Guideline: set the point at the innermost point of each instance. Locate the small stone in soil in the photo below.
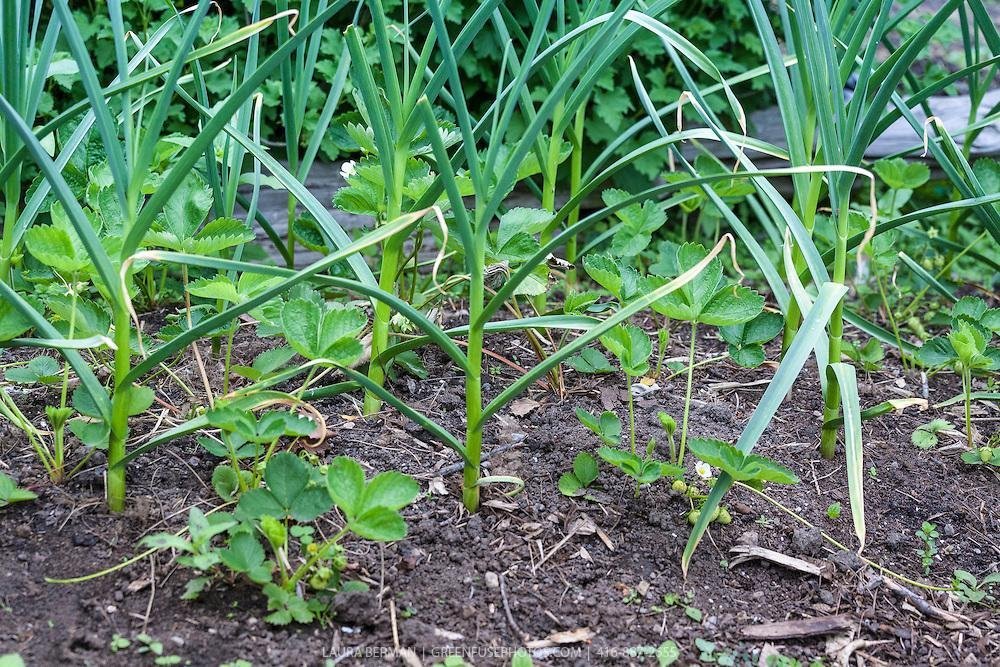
(846, 561)
(356, 608)
(492, 580)
(896, 540)
(474, 525)
(807, 540)
(84, 540)
(411, 558)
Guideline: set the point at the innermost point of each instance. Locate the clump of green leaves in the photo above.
(644, 469)
(10, 492)
(584, 473)
(708, 299)
(928, 535)
(869, 356)
(974, 591)
(708, 652)
(149, 645)
(746, 340)
(119, 643)
(925, 436)
(984, 455)
(42, 370)
(751, 469)
(248, 436)
(966, 348)
(269, 539)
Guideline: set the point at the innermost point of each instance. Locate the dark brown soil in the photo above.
(517, 572)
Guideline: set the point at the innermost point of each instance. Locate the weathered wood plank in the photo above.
(952, 110)
(805, 627)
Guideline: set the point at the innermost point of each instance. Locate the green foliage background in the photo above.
(722, 29)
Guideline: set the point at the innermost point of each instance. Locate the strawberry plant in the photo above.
(270, 539)
(747, 468)
(966, 348)
(246, 436)
(745, 340)
(984, 455)
(583, 474)
(925, 436)
(10, 492)
(644, 468)
(707, 299)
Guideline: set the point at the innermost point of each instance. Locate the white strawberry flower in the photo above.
(703, 469)
(348, 169)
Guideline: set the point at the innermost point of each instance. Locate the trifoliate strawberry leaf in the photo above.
(925, 436)
(746, 340)
(607, 427)
(638, 222)
(631, 346)
(741, 467)
(318, 332)
(39, 370)
(290, 491)
(899, 174)
(706, 299)
(590, 360)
